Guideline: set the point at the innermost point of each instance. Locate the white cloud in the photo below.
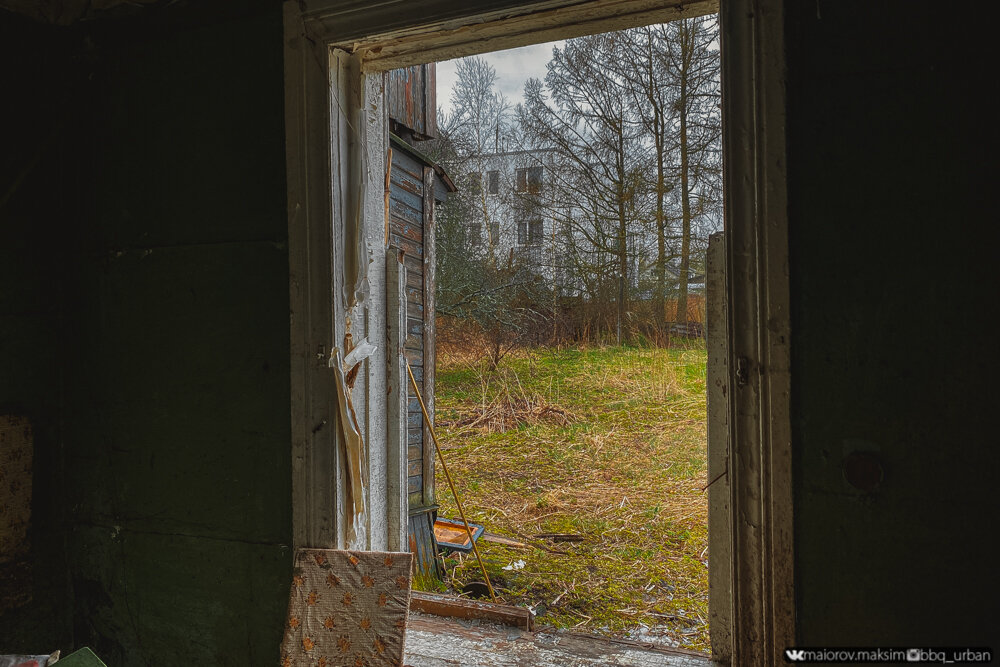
(513, 66)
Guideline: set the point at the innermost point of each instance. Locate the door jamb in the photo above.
(758, 321)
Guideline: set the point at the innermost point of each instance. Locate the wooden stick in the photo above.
(500, 539)
(388, 182)
(560, 537)
(444, 466)
(447, 605)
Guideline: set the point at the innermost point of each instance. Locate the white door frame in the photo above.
(760, 473)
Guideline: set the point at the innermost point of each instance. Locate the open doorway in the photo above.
(569, 287)
(336, 58)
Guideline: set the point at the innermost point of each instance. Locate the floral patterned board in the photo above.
(16, 449)
(16, 446)
(347, 608)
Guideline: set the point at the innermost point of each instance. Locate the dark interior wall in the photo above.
(147, 278)
(143, 328)
(892, 300)
(35, 94)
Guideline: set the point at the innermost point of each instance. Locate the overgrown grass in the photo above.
(608, 443)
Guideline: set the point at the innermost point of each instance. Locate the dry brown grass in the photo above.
(608, 444)
(505, 404)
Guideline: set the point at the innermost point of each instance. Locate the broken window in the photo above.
(534, 232)
(529, 232)
(476, 183)
(529, 179)
(474, 234)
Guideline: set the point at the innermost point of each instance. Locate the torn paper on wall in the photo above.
(353, 444)
(359, 353)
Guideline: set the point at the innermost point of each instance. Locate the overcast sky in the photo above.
(513, 66)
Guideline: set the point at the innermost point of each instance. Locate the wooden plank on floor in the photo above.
(456, 607)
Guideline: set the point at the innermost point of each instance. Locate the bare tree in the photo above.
(691, 61)
(648, 90)
(581, 112)
(479, 282)
(481, 120)
(627, 129)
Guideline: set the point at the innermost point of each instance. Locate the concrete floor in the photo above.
(434, 641)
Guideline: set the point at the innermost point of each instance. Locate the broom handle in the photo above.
(444, 466)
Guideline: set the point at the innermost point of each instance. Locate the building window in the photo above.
(529, 233)
(476, 183)
(474, 234)
(494, 182)
(529, 179)
(535, 232)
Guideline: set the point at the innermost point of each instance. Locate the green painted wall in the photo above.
(892, 296)
(150, 290)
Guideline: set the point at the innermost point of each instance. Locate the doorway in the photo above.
(760, 603)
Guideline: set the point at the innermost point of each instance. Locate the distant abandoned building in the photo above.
(511, 198)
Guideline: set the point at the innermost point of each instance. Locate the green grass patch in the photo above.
(608, 443)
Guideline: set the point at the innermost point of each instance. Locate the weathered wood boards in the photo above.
(411, 97)
(433, 641)
(396, 445)
(511, 27)
(415, 184)
(406, 232)
(720, 558)
(456, 607)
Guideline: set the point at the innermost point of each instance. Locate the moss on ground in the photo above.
(608, 443)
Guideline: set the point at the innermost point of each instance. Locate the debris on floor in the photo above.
(560, 537)
(451, 534)
(463, 608)
(432, 641)
(500, 539)
(516, 565)
(28, 660)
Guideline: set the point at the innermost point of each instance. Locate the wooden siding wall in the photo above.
(407, 233)
(411, 96)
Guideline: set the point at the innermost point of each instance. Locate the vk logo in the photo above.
(794, 655)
